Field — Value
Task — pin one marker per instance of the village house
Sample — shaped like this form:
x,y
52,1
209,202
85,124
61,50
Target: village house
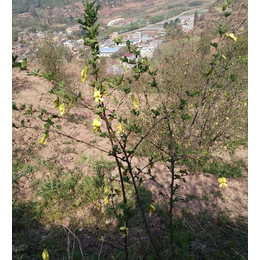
x,y
137,35
69,44
107,52
130,56
147,52
80,44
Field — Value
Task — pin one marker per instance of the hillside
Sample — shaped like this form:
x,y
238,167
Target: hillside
x,y
69,188
30,5
208,22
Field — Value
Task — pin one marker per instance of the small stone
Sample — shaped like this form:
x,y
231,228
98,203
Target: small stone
x,y
107,222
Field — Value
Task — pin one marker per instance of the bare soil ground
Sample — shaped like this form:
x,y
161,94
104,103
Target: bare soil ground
x,y
200,191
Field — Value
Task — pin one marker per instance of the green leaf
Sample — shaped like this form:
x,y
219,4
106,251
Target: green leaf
x,y
129,127
185,116
49,120
154,72
22,123
214,44
155,112
103,135
227,14
126,90
118,40
176,187
14,107
116,101
129,80
183,103
29,111
124,59
192,93
58,127
233,77
134,112
115,148
14,58
23,64
222,30
153,84
46,126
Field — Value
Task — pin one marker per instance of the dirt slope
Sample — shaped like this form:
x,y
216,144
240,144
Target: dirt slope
x,y
198,193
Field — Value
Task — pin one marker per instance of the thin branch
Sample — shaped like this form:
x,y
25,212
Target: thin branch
x,y
100,251
66,135
80,248
147,133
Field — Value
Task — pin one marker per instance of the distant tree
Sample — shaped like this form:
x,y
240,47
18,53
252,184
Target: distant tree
x,y
14,35
195,18
166,24
51,56
172,24
156,19
32,11
58,15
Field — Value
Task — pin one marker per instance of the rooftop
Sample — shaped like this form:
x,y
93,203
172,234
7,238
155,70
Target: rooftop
x,y
107,49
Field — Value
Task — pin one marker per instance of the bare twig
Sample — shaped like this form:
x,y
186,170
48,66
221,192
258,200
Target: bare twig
x,y
80,248
100,251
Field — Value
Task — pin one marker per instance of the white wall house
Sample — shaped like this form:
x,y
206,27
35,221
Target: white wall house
x,y
147,52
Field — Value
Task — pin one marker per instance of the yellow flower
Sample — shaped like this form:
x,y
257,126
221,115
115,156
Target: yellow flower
x,y
45,254
106,200
135,103
106,189
97,96
56,102
222,182
120,128
62,109
44,138
231,36
83,74
96,124
125,229
151,210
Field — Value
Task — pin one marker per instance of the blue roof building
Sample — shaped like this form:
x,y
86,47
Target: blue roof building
x,y
107,52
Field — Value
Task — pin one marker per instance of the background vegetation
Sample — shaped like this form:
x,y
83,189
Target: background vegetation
x,y
186,111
